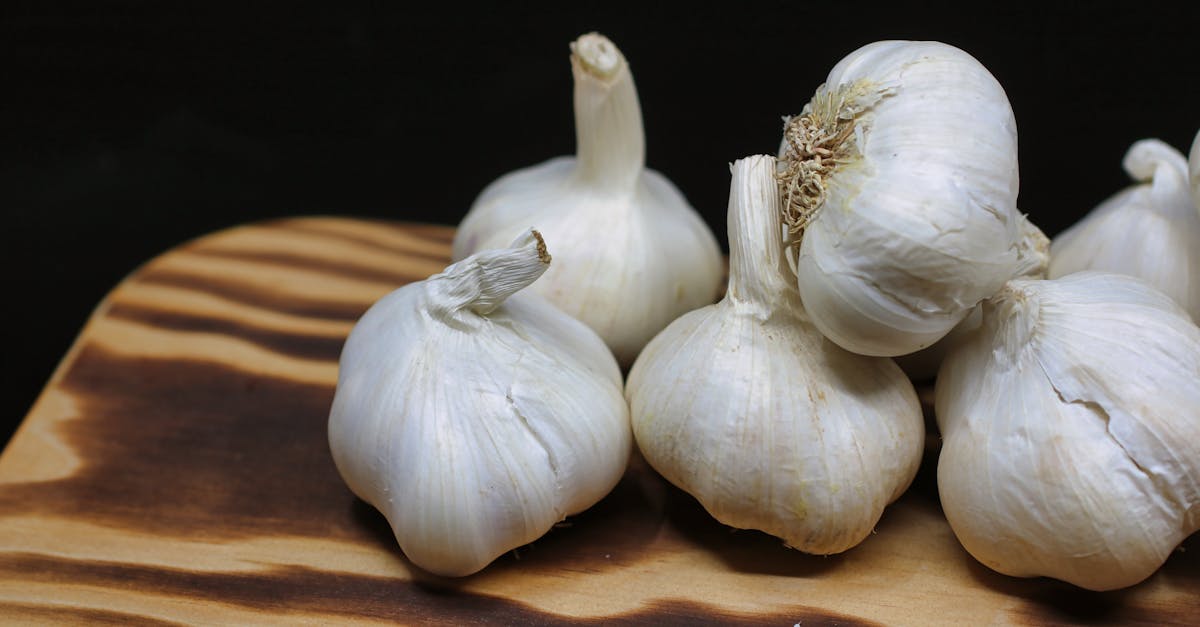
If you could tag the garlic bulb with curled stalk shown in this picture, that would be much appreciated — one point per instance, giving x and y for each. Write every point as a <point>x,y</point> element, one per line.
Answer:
<point>746,407</point>
<point>1070,422</point>
<point>899,182</point>
<point>474,415</point>
<point>631,254</point>
<point>1150,230</point>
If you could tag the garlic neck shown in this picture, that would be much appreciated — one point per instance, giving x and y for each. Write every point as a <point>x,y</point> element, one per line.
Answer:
<point>610,142</point>
<point>1011,317</point>
<point>481,283</point>
<point>1166,170</point>
<point>756,251</point>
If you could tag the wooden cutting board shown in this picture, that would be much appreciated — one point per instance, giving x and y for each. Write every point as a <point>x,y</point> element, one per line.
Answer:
<point>175,469</point>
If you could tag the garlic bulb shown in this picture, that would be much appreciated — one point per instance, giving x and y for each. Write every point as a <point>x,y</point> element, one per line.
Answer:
<point>1150,230</point>
<point>1071,430</point>
<point>1033,258</point>
<point>473,417</point>
<point>899,182</point>
<point>745,406</point>
<point>631,254</point>
<point>1194,167</point>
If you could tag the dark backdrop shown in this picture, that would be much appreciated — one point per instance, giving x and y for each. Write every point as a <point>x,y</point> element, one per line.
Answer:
<point>131,127</point>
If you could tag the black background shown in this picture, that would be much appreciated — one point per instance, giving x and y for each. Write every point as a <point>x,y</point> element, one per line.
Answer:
<point>129,128</point>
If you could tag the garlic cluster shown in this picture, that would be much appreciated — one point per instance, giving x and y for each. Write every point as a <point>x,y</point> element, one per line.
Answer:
<point>899,182</point>
<point>1150,230</point>
<point>1071,430</point>
<point>631,254</point>
<point>745,406</point>
<point>474,416</point>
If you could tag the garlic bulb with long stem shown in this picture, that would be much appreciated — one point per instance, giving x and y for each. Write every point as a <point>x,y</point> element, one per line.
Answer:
<point>1150,230</point>
<point>1071,430</point>
<point>745,406</point>
<point>475,416</point>
<point>632,255</point>
<point>899,182</point>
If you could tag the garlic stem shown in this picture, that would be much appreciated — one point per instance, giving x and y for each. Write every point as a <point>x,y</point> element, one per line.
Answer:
<point>610,143</point>
<point>482,282</point>
<point>1156,162</point>
<point>756,257</point>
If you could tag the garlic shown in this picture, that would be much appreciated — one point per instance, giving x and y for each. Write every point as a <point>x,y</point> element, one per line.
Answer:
<point>1150,230</point>
<point>632,255</point>
<point>1033,258</point>
<point>474,417</point>
<point>899,182</point>
<point>1194,167</point>
<point>745,406</point>
<point>1071,430</point>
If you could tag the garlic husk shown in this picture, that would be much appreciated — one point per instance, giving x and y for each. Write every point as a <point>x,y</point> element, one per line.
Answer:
<point>1150,230</point>
<point>745,406</point>
<point>1071,430</point>
<point>899,185</point>
<point>475,416</point>
<point>1194,170</point>
<point>1033,259</point>
<point>631,253</point>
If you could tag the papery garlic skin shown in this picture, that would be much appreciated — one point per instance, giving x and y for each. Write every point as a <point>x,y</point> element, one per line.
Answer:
<point>631,253</point>
<point>745,406</point>
<point>900,184</point>
<point>1194,170</point>
<point>475,418</point>
<point>1071,431</point>
<point>1150,230</point>
<point>1033,260</point>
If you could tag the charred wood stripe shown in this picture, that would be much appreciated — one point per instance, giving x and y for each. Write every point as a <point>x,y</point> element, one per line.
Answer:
<point>25,613</point>
<point>391,239</point>
<point>199,303</point>
<point>301,346</point>
<point>308,307</point>
<point>305,589</point>
<point>298,262</point>
<point>147,342</point>
<point>284,279</point>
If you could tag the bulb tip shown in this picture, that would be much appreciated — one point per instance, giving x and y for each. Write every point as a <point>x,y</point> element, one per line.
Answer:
<point>597,55</point>
<point>542,253</point>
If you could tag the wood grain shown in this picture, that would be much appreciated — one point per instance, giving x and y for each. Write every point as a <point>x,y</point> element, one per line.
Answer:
<point>176,470</point>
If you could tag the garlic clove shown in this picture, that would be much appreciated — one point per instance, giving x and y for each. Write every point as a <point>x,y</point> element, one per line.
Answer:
<point>475,415</point>
<point>1150,230</point>
<point>899,181</point>
<point>1071,431</point>
<point>632,253</point>
<point>746,407</point>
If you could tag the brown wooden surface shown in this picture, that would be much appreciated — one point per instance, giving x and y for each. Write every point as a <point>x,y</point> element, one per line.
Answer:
<point>176,470</point>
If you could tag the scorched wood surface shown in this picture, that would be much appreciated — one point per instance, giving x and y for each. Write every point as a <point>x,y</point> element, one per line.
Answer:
<point>175,470</point>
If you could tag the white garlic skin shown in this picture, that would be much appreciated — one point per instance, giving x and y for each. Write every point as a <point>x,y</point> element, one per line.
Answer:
<point>1194,170</point>
<point>1033,260</point>
<point>1150,230</point>
<point>631,254</point>
<point>1071,431</point>
<point>920,224</point>
<point>474,433</point>
<point>770,426</point>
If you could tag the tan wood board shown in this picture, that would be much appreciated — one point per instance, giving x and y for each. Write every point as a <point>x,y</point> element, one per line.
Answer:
<point>176,469</point>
